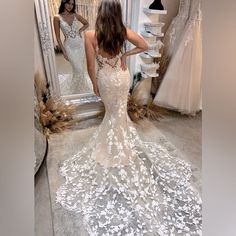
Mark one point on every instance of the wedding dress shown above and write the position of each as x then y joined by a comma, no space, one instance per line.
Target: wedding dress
122,185
181,85
74,47
170,40
174,33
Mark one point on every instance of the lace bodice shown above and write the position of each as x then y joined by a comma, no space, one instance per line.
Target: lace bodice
69,31
189,14
195,10
173,33
113,63
184,6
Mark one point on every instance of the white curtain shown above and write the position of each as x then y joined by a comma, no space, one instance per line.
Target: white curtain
88,9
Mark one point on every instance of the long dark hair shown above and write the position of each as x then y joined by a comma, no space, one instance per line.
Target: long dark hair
110,30
62,6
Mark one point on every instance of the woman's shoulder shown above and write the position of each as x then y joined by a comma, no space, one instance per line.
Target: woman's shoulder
90,34
90,37
77,14
56,17
130,33
128,30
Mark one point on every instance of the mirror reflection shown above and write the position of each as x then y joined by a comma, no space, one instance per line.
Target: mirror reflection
69,20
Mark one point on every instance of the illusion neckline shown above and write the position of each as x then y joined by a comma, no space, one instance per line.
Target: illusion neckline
70,25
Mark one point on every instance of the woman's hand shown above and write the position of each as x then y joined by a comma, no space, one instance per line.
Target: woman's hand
123,62
96,90
80,33
65,56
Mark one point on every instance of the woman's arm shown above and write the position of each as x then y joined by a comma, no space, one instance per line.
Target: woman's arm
84,22
56,23
138,41
90,56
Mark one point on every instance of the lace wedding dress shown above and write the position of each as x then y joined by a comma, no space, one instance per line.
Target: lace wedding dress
174,33
122,185
181,85
74,47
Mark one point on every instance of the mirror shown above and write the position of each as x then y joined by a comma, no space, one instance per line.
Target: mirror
72,72
69,79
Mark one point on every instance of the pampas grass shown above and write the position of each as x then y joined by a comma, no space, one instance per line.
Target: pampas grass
54,116
137,112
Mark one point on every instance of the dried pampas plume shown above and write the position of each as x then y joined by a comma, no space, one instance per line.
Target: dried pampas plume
54,116
137,112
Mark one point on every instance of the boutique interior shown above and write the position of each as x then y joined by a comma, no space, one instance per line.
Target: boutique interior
164,100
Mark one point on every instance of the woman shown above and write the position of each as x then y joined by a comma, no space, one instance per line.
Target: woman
121,185
73,49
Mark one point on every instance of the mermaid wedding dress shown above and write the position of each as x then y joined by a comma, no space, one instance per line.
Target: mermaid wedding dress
74,47
122,185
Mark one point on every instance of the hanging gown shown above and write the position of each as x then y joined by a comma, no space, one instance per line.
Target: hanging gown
122,185
170,41
180,89
79,82
174,33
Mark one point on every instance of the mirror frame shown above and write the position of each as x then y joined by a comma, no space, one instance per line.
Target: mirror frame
45,34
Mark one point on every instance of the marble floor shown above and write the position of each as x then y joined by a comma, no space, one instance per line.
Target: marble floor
183,132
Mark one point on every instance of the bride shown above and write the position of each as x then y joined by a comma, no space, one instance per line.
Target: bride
118,183
73,48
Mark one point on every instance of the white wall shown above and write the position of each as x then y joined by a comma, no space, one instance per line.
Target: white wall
172,7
